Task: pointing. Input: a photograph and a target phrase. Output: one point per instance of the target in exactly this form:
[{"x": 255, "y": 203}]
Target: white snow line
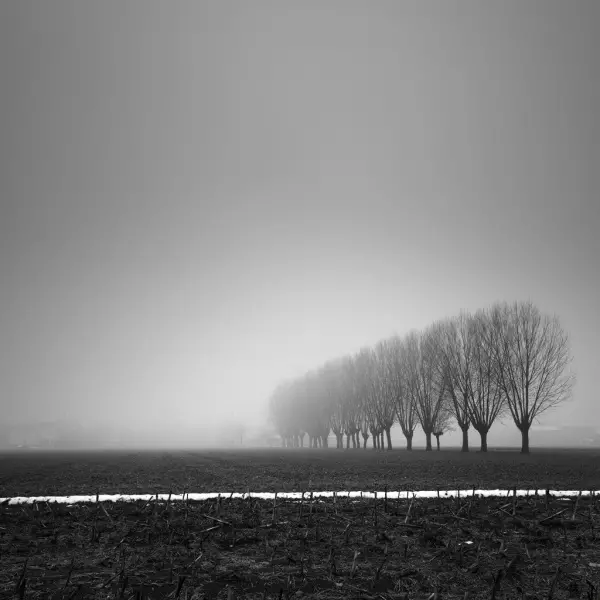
[{"x": 391, "y": 495}]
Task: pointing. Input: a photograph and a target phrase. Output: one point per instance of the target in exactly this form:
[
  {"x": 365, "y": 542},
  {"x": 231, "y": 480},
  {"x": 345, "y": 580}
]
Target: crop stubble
[{"x": 534, "y": 547}]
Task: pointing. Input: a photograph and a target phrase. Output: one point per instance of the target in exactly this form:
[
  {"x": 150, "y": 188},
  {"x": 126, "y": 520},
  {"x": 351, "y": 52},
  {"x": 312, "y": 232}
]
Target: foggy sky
[{"x": 201, "y": 198}]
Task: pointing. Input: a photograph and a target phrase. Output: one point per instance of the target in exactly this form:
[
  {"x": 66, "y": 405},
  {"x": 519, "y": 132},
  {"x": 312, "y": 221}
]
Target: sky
[{"x": 199, "y": 199}]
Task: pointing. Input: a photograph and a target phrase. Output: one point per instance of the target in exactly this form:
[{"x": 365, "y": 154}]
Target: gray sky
[{"x": 200, "y": 198}]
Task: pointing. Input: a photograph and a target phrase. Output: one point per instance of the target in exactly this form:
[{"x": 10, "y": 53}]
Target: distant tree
[
  {"x": 354, "y": 403},
  {"x": 384, "y": 390},
  {"x": 335, "y": 385},
  {"x": 375, "y": 394},
  {"x": 284, "y": 411},
  {"x": 314, "y": 399},
  {"x": 364, "y": 427},
  {"x": 238, "y": 431},
  {"x": 472, "y": 369},
  {"x": 532, "y": 356}
]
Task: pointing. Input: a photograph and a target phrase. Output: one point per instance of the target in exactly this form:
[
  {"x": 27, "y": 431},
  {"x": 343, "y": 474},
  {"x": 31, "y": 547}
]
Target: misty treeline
[{"x": 507, "y": 361}]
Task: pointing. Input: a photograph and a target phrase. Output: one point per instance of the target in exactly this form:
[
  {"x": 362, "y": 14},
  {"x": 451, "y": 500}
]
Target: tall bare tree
[
  {"x": 532, "y": 362},
  {"x": 380, "y": 392},
  {"x": 352, "y": 406},
  {"x": 443, "y": 423},
  {"x": 332, "y": 375},
  {"x": 394, "y": 350},
  {"x": 424, "y": 380},
  {"x": 317, "y": 409},
  {"x": 364, "y": 427},
  {"x": 486, "y": 401},
  {"x": 455, "y": 339},
  {"x": 364, "y": 384}
]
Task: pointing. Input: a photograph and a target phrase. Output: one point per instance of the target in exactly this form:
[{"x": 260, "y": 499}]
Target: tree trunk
[
  {"x": 428, "y": 441},
  {"x": 437, "y": 439},
  {"x": 339, "y": 437},
  {"x": 465, "y": 441},
  {"x": 358, "y": 440},
  {"x": 483, "y": 435},
  {"x": 525, "y": 440},
  {"x": 354, "y": 440},
  {"x": 347, "y": 441},
  {"x": 365, "y": 439},
  {"x": 388, "y": 434},
  {"x": 409, "y": 442}
]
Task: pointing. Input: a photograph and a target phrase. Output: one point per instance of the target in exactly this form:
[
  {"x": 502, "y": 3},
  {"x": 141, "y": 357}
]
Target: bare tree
[
  {"x": 364, "y": 427},
  {"x": 443, "y": 423},
  {"x": 300, "y": 406},
  {"x": 360, "y": 376},
  {"x": 532, "y": 358},
  {"x": 354, "y": 404},
  {"x": 316, "y": 409},
  {"x": 486, "y": 401},
  {"x": 395, "y": 354},
  {"x": 472, "y": 369},
  {"x": 335, "y": 383},
  {"x": 336, "y": 425},
  {"x": 424, "y": 379},
  {"x": 283, "y": 409},
  {"x": 377, "y": 394},
  {"x": 373, "y": 424},
  {"x": 455, "y": 339}
]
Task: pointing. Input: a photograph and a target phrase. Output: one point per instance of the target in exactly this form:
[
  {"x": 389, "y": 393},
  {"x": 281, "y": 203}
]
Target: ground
[{"x": 394, "y": 548}]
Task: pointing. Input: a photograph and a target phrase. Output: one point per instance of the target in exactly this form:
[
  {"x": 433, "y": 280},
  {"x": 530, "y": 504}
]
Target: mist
[{"x": 202, "y": 199}]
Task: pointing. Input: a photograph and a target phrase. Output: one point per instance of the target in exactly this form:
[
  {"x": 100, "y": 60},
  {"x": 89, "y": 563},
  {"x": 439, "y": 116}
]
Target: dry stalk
[
  {"x": 553, "y": 584},
  {"x": 576, "y": 505}
]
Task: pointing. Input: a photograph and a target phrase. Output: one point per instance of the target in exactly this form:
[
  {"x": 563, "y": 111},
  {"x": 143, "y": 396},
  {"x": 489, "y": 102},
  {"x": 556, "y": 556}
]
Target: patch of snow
[{"x": 290, "y": 495}]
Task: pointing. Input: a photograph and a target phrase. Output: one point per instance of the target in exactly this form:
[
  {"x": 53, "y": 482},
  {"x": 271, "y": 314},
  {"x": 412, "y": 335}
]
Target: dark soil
[
  {"x": 61, "y": 473},
  {"x": 528, "y": 548},
  {"x": 248, "y": 548}
]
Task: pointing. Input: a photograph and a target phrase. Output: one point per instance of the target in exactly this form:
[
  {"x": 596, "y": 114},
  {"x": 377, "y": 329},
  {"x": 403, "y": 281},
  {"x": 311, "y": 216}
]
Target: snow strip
[{"x": 290, "y": 495}]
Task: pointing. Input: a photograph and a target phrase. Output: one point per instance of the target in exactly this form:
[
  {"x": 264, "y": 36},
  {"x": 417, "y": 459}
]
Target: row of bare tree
[{"x": 508, "y": 360}]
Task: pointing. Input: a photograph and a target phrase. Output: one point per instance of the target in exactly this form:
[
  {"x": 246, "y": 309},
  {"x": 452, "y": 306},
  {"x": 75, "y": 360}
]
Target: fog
[{"x": 198, "y": 199}]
